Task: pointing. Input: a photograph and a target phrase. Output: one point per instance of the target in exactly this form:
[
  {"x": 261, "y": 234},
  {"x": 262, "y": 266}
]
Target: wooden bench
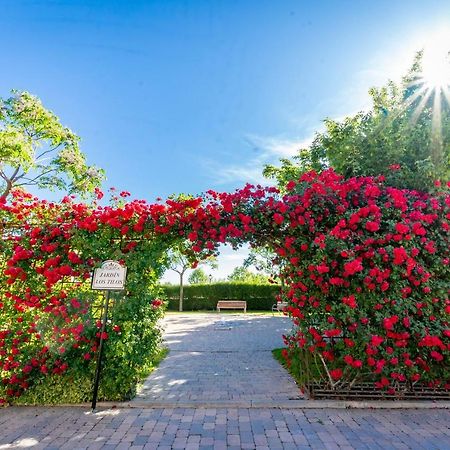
[
  {"x": 232, "y": 304},
  {"x": 279, "y": 307}
]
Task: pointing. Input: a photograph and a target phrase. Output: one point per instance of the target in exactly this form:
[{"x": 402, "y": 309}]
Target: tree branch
[
  {"x": 47, "y": 151},
  {"x": 9, "y": 181},
  {"x": 31, "y": 181},
  {"x": 14, "y": 177},
  {"x": 330, "y": 379}
]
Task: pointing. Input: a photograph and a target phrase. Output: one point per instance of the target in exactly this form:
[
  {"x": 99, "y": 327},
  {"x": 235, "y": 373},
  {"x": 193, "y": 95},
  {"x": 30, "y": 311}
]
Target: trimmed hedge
[
  {"x": 75, "y": 385},
  {"x": 259, "y": 297}
]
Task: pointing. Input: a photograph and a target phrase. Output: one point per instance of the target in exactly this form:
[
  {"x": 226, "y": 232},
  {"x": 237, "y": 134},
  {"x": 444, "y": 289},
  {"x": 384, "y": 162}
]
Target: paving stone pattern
[
  {"x": 223, "y": 359},
  {"x": 215, "y": 359},
  {"x": 222, "y": 428}
]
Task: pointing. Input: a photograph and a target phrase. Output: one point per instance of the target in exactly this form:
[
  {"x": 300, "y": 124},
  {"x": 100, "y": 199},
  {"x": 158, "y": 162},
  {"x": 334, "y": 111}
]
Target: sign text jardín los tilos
[{"x": 109, "y": 277}]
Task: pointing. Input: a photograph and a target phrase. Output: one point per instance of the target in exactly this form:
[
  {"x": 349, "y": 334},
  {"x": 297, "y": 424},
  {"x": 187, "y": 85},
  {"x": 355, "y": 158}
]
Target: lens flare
[
  {"x": 433, "y": 88},
  {"x": 436, "y": 66}
]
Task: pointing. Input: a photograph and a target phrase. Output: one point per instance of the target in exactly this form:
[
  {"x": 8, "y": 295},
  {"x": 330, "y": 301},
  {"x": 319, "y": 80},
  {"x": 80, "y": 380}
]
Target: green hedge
[
  {"x": 76, "y": 385},
  {"x": 259, "y": 297}
]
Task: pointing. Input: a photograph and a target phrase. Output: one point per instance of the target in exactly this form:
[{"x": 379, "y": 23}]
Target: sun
[
  {"x": 436, "y": 65},
  {"x": 433, "y": 81},
  {"x": 433, "y": 87}
]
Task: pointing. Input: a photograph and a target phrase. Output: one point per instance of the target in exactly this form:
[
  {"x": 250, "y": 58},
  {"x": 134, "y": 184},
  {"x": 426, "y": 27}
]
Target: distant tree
[
  {"x": 198, "y": 276},
  {"x": 36, "y": 150},
  {"x": 181, "y": 258},
  {"x": 243, "y": 275},
  {"x": 405, "y": 136},
  {"x": 179, "y": 263},
  {"x": 265, "y": 261}
]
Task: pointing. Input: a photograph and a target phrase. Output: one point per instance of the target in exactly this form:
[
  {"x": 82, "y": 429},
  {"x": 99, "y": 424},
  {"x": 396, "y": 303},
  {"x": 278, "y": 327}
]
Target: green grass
[
  {"x": 276, "y": 352},
  {"x": 279, "y": 357},
  {"x": 298, "y": 367},
  {"x": 156, "y": 362}
]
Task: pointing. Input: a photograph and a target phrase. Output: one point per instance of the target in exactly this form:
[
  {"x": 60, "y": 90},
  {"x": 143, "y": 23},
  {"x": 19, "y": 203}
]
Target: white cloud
[
  {"x": 278, "y": 147},
  {"x": 267, "y": 150},
  {"x": 249, "y": 172}
]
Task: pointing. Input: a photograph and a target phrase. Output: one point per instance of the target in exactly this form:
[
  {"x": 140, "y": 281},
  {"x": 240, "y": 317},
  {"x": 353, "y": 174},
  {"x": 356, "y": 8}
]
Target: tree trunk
[
  {"x": 7, "y": 190},
  {"x": 181, "y": 292}
]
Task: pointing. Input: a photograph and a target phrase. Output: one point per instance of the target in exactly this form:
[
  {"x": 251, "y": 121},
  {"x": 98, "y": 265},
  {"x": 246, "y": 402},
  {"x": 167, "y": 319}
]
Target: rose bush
[
  {"x": 365, "y": 268},
  {"x": 49, "y": 322},
  {"x": 369, "y": 281}
]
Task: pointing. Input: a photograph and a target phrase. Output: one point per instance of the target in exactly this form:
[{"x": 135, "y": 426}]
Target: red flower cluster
[
  {"x": 375, "y": 282},
  {"x": 366, "y": 269}
]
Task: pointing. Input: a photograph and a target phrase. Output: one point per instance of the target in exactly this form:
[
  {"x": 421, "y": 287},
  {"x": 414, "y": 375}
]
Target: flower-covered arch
[{"x": 365, "y": 269}]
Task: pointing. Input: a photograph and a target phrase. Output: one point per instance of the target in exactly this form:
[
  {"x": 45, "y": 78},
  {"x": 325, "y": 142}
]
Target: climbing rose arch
[{"x": 365, "y": 269}]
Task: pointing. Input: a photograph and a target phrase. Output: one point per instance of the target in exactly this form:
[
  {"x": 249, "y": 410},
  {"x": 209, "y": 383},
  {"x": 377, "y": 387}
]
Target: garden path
[{"x": 220, "y": 360}]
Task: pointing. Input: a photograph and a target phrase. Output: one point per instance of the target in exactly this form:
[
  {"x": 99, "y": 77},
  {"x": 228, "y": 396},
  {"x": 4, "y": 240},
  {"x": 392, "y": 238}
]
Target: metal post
[{"x": 100, "y": 353}]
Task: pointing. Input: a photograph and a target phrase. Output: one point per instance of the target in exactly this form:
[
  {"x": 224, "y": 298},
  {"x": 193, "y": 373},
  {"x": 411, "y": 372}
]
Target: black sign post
[
  {"x": 100, "y": 351},
  {"x": 109, "y": 277}
]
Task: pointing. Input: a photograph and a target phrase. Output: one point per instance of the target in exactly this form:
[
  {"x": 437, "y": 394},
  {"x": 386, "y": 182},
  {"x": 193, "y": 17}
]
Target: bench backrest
[{"x": 222, "y": 303}]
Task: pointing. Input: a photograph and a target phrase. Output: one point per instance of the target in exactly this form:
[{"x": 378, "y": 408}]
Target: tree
[
  {"x": 181, "y": 259},
  {"x": 179, "y": 263},
  {"x": 36, "y": 150},
  {"x": 265, "y": 261},
  {"x": 405, "y": 136},
  {"x": 198, "y": 276},
  {"x": 242, "y": 275}
]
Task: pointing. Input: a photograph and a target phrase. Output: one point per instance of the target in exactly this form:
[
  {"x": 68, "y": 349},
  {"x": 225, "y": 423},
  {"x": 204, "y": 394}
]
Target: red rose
[
  {"x": 372, "y": 226},
  {"x": 278, "y": 218},
  {"x": 336, "y": 374},
  {"x": 353, "y": 267},
  {"x": 376, "y": 340},
  {"x": 290, "y": 185}
]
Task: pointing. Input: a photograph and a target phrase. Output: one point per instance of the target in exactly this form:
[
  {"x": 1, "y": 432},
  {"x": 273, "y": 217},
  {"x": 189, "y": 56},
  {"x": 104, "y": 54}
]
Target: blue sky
[{"x": 183, "y": 96}]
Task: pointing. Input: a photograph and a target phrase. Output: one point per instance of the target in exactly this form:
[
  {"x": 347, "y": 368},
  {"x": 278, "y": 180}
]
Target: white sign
[{"x": 109, "y": 277}]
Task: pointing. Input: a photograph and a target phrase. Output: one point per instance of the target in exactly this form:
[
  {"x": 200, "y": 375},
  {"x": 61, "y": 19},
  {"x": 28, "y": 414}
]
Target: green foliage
[
  {"x": 243, "y": 275},
  {"x": 205, "y": 296},
  {"x": 35, "y": 149},
  {"x": 75, "y": 386},
  {"x": 265, "y": 261},
  {"x": 180, "y": 258},
  {"x": 401, "y": 137},
  {"x": 198, "y": 276},
  {"x": 303, "y": 367},
  {"x": 62, "y": 327}
]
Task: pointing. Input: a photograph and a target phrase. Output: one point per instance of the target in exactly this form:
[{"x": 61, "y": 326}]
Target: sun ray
[
  {"x": 412, "y": 98},
  {"x": 404, "y": 105},
  {"x": 420, "y": 107},
  {"x": 436, "y": 129},
  {"x": 432, "y": 81},
  {"x": 446, "y": 93}
]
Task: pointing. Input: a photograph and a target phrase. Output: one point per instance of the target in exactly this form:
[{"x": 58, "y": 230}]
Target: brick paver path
[
  {"x": 221, "y": 359},
  {"x": 223, "y": 428},
  {"x": 214, "y": 361}
]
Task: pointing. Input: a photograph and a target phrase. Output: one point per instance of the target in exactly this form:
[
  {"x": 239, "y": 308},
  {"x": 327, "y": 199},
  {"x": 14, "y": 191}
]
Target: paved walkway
[
  {"x": 229, "y": 363},
  {"x": 221, "y": 360},
  {"x": 223, "y": 428}
]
